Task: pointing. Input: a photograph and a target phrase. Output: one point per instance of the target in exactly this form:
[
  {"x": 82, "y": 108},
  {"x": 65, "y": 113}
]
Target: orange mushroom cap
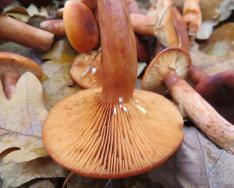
[
  {"x": 80, "y": 26},
  {"x": 85, "y": 70},
  {"x": 114, "y": 132},
  {"x": 170, "y": 59},
  {"x": 12, "y": 66},
  {"x": 10, "y": 62}
]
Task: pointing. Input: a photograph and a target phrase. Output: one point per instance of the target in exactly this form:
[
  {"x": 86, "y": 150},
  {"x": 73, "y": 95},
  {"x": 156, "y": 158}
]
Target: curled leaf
[
  {"x": 14, "y": 175},
  {"x": 21, "y": 118}
]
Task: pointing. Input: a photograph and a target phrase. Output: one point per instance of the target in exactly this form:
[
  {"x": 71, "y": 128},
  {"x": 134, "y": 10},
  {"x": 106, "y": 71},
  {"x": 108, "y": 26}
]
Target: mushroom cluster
[{"x": 116, "y": 131}]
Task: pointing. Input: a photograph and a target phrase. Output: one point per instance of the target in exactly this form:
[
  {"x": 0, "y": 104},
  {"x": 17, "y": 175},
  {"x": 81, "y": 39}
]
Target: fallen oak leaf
[
  {"x": 61, "y": 52},
  {"x": 58, "y": 83},
  {"x": 21, "y": 118},
  {"x": 26, "y": 171}
]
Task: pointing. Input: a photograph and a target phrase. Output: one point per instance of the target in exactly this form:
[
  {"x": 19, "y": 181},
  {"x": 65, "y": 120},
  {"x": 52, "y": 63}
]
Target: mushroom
[
  {"x": 85, "y": 70},
  {"x": 12, "y": 66},
  {"x": 217, "y": 89},
  {"x": 24, "y": 34},
  {"x": 55, "y": 26},
  {"x": 165, "y": 22},
  {"x": 192, "y": 16},
  {"x": 80, "y": 26},
  {"x": 166, "y": 68},
  {"x": 114, "y": 132}
]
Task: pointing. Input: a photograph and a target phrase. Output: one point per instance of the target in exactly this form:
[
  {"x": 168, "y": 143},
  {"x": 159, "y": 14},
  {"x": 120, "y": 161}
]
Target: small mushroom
[
  {"x": 165, "y": 61},
  {"x": 19, "y": 32},
  {"x": 80, "y": 26},
  {"x": 192, "y": 16},
  {"x": 85, "y": 70},
  {"x": 165, "y": 22},
  {"x": 166, "y": 68},
  {"x": 115, "y": 132},
  {"x": 12, "y": 66},
  {"x": 217, "y": 89}
]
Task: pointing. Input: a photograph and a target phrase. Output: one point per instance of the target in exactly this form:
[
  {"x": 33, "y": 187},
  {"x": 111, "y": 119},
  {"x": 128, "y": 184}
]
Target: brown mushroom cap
[
  {"x": 81, "y": 26},
  {"x": 170, "y": 59},
  {"x": 10, "y": 62},
  {"x": 86, "y": 69},
  {"x": 99, "y": 140}
]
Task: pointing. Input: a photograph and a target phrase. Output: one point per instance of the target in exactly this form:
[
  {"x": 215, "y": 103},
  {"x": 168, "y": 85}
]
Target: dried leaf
[
  {"x": 16, "y": 174},
  {"x": 77, "y": 181},
  {"x": 61, "y": 52},
  {"x": 21, "y": 118},
  {"x": 32, "y": 10},
  {"x": 58, "y": 83},
  {"x": 43, "y": 184},
  {"x": 141, "y": 67},
  {"x": 211, "y": 64}
]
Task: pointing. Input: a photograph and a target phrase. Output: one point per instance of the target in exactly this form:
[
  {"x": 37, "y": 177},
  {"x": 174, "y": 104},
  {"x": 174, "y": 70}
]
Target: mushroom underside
[{"x": 112, "y": 140}]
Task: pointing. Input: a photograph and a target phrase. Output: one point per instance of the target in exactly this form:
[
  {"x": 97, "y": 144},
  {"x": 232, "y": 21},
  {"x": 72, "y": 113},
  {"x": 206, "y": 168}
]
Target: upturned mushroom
[
  {"x": 19, "y": 32},
  {"x": 12, "y": 66},
  {"x": 86, "y": 70},
  {"x": 164, "y": 22},
  {"x": 217, "y": 89},
  {"x": 166, "y": 69},
  {"x": 114, "y": 132},
  {"x": 81, "y": 26}
]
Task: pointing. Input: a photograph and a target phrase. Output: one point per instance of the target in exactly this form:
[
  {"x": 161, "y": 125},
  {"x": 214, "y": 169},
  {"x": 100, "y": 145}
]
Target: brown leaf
[
  {"x": 16, "y": 174},
  {"x": 21, "y": 118},
  {"x": 43, "y": 184},
  {"x": 58, "y": 83},
  {"x": 61, "y": 52}
]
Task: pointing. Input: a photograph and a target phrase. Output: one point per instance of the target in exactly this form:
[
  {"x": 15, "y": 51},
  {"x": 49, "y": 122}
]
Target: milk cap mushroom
[
  {"x": 80, "y": 26},
  {"x": 85, "y": 70},
  {"x": 12, "y": 66},
  {"x": 114, "y": 132},
  {"x": 171, "y": 59}
]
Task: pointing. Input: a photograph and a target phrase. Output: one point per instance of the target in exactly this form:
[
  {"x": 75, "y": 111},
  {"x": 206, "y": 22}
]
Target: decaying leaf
[
  {"x": 77, "y": 181},
  {"x": 16, "y": 174},
  {"x": 211, "y": 64},
  {"x": 22, "y": 13},
  {"x": 61, "y": 52},
  {"x": 42, "y": 184},
  {"x": 141, "y": 67},
  {"x": 221, "y": 42},
  {"x": 58, "y": 83},
  {"x": 21, "y": 119}
]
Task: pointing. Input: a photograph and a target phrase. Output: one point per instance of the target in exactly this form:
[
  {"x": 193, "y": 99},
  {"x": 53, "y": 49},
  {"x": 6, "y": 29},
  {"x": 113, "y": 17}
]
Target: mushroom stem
[
  {"x": 196, "y": 74},
  {"x": 143, "y": 24},
  {"x": 10, "y": 79},
  {"x": 55, "y": 26},
  {"x": 24, "y": 34},
  {"x": 204, "y": 116},
  {"x": 119, "y": 56}
]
